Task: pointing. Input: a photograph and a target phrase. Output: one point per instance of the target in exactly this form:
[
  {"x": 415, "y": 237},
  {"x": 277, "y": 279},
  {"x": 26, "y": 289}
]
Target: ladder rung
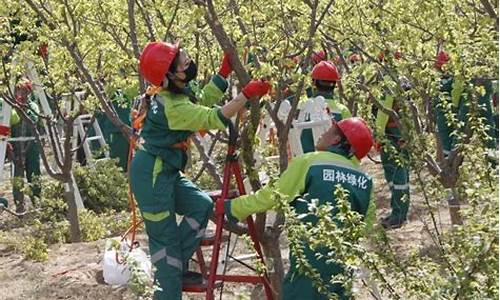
[
  {"x": 93, "y": 138},
  {"x": 209, "y": 241},
  {"x": 199, "y": 288}
]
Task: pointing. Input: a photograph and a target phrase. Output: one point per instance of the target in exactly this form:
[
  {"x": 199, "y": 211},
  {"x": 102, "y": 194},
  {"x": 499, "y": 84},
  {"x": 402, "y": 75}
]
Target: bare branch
[
  {"x": 171, "y": 22},
  {"x": 132, "y": 26},
  {"x": 147, "y": 20},
  {"x": 491, "y": 12}
]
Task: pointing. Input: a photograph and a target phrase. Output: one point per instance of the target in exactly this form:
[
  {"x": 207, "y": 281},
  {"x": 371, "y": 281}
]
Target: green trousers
[
  {"x": 298, "y": 286},
  {"x": 161, "y": 193},
  {"x": 444, "y": 130},
  {"x": 398, "y": 177},
  {"x": 26, "y": 162},
  {"x": 118, "y": 148}
]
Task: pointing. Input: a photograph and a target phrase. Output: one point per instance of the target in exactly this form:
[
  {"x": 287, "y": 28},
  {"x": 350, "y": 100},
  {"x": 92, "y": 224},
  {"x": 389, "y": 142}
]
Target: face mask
[{"x": 191, "y": 72}]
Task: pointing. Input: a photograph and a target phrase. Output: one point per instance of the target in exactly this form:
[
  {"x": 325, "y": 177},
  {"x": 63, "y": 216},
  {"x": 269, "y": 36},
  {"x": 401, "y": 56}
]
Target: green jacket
[
  {"x": 122, "y": 100},
  {"x": 338, "y": 111},
  {"x": 384, "y": 125},
  {"x": 312, "y": 176},
  {"x": 172, "y": 118}
]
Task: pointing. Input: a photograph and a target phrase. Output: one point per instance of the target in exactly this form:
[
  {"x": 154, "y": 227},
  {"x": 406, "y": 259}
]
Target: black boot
[
  {"x": 192, "y": 278},
  {"x": 392, "y": 223}
]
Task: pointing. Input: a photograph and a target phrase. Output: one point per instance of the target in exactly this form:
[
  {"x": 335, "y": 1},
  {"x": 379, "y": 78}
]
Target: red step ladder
[{"x": 212, "y": 279}]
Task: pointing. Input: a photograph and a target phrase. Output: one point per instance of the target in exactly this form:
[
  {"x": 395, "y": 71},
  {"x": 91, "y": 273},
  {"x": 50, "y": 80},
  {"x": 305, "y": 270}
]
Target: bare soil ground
[{"x": 73, "y": 271}]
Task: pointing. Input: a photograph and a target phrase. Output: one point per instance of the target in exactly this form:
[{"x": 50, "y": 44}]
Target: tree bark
[
  {"x": 454, "y": 208},
  {"x": 69, "y": 196},
  {"x": 274, "y": 263}
]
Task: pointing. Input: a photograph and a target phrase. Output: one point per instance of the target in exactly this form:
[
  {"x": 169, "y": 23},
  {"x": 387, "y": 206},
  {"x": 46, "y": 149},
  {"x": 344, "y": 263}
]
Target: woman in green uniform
[{"x": 156, "y": 175}]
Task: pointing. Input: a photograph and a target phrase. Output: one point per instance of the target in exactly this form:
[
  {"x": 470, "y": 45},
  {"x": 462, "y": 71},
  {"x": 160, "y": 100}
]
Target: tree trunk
[
  {"x": 69, "y": 196},
  {"x": 454, "y": 207},
  {"x": 274, "y": 263}
]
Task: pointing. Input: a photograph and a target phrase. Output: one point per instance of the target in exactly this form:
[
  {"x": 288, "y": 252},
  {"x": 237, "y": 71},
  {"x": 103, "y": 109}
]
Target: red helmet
[
  {"x": 156, "y": 59},
  {"x": 441, "y": 59},
  {"x": 325, "y": 70},
  {"x": 358, "y": 134},
  {"x": 318, "y": 56},
  {"x": 398, "y": 55}
]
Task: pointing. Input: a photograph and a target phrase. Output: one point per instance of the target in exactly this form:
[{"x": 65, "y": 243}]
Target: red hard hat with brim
[
  {"x": 358, "y": 134},
  {"x": 325, "y": 70},
  {"x": 156, "y": 59}
]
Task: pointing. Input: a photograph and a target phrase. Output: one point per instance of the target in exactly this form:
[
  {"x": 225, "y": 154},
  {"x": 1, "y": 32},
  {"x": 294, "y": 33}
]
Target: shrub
[
  {"x": 103, "y": 187},
  {"x": 34, "y": 249},
  {"x": 91, "y": 225}
]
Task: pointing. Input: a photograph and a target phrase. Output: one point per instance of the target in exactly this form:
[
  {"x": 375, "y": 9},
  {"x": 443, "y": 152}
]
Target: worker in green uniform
[
  {"x": 316, "y": 175},
  {"x": 26, "y": 153},
  {"x": 324, "y": 78},
  {"x": 156, "y": 170},
  {"x": 443, "y": 101},
  {"x": 452, "y": 95},
  {"x": 486, "y": 110},
  {"x": 118, "y": 143},
  {"x": 394, "y": 158}
]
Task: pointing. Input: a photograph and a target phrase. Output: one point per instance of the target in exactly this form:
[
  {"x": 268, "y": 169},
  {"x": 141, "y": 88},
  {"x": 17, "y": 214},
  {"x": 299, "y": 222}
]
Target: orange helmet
[
  {"x": 325, "y": 70},
  {"x": 156, "y": 59},
  {"x": 358, "y": 134}
]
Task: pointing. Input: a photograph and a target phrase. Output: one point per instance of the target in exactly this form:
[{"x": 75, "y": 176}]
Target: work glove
[
  {"x": 225, "y": 67},
  {"x": 256, "y": 89}
]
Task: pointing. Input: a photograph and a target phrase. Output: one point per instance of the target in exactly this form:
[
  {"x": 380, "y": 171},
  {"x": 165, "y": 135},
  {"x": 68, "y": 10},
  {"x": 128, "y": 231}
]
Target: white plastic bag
[{"x": 115, "y": 273}]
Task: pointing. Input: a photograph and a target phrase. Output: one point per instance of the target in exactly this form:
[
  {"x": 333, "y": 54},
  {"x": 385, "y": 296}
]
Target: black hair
[
  {"x": 345, "y": 146},
  {"x": 175, "y": 63},
  {"x": 325, "y": 86}
]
